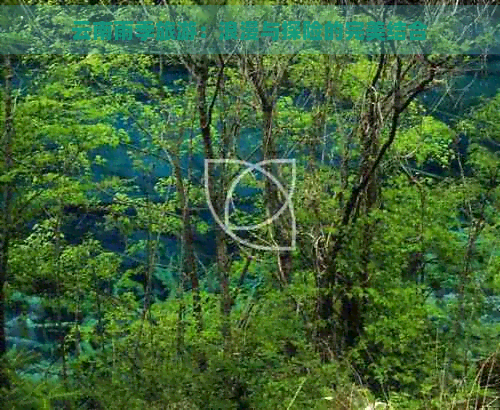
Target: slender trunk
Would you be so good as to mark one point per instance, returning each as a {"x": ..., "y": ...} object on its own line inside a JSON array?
[
  {"x": 353, "y": 306},
  {"x": 205, "y": 113},
  {"x": 464, "y": 282},
  {"x": 191, "y": 268},
  {"x": 187, "y": 255},
  {"x": 78, "y": 335},
  {"x": 280, "y": 230},
  {"x": 182, "y": 306},
  {"x": 151, "y": 248},
  {"x": 188, "y": 260},
  {"x": 180, "y": 318},
  {"x": 283, "y": 225},
  {"x": 100, "y": 323},
  {"x": 57, "y": 269},
  {"x": 6, "y": 216},
  {"x": 342, "y": 333},
  {"x": 187, "y": 245}
]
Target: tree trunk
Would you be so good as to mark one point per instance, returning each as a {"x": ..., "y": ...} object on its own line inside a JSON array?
[
  {"x": 272, "y": 197},
  {"x": 354, "y": 306},
  {"x": 280, "y": 230},
  {"x": 6, "y": 212},
  {"x": 188, "y": 247},
  {"x": 205, "y": 113},
  {"x": 339, "y": 326}
]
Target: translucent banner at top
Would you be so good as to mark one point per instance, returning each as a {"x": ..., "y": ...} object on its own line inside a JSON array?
[{"x": 185, "y": 30}]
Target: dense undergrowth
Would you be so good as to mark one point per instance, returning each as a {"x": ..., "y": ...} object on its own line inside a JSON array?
[
  {"x": 122, "y": 291},
  {"x": 141, "y": 364}
]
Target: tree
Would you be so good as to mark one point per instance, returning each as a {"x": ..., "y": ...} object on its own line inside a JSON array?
[
  {"x": 7, "y": 197},
  {"x": 60, "y": 124}
]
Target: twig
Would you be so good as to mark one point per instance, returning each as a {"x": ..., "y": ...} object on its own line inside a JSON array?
[{"x": 296, "y": 394}]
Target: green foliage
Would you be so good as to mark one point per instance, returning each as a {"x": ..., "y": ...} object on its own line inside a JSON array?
[
  {"x": 428, "y": 138},
  {"x": 424, "y": 235},
  {"x": 28, "y": 394},
  {"x": 399, "y": 345}
]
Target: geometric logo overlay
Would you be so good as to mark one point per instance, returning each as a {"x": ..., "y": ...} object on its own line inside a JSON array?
[{"x": 231, "y": 229}]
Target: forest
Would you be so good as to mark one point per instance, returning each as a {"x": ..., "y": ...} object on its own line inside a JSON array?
[{"x": 250, "y": 231}]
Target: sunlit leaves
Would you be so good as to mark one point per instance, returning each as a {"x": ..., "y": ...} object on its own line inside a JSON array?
[{"x": 427, "y": 139}]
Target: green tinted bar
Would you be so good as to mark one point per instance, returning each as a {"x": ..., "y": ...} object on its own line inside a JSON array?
[{"x": 178, "y": 30}]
